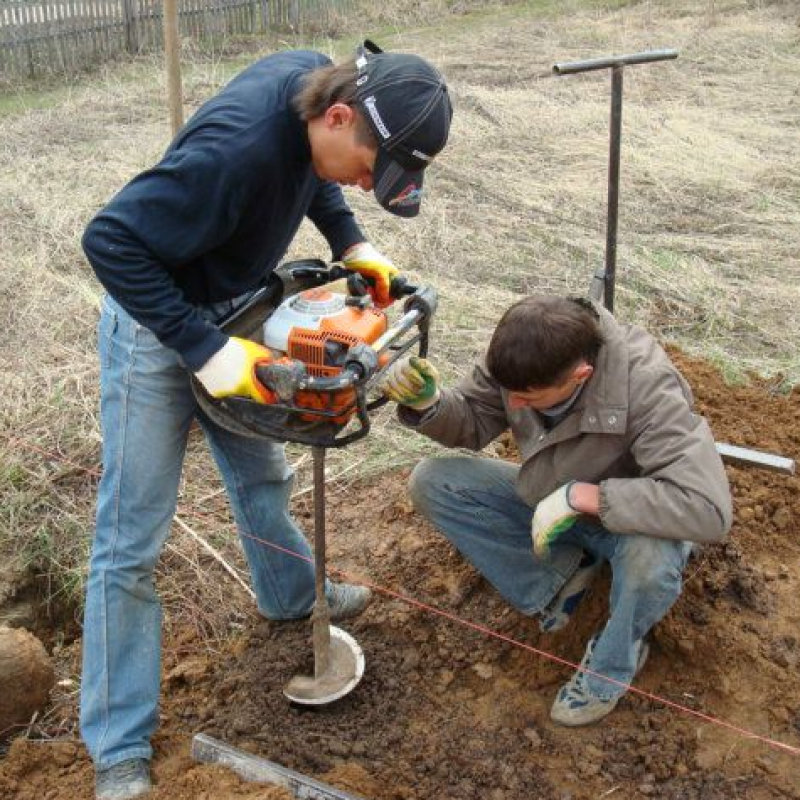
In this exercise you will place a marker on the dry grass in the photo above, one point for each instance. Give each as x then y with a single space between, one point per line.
709 230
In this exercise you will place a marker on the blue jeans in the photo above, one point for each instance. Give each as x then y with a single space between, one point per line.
147 407
474 502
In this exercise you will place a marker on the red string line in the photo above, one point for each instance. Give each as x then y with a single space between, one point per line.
774 743
550 656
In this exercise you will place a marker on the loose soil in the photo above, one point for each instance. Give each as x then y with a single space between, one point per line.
447 712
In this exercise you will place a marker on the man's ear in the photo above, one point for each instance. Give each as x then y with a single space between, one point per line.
583 372
339 115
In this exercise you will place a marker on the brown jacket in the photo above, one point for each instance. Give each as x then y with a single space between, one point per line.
632 430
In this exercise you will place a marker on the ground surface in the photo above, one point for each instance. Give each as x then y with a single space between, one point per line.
447 712
708 258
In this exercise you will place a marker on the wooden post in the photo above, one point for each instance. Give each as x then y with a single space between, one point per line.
172 53
129 25
28 33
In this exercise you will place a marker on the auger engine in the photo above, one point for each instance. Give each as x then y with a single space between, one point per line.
319 328
329 349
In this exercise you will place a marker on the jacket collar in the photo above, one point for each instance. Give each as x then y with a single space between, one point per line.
603 405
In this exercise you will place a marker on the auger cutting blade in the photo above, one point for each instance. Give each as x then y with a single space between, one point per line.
345 668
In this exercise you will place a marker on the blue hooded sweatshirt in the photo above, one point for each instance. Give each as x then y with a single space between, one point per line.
213 219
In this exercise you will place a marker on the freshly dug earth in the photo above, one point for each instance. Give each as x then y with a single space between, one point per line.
26 677
448 712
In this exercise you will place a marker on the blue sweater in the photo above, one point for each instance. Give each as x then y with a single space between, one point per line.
215 216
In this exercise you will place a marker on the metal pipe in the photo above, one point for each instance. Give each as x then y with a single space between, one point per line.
613 186
404 324
321 617
571 67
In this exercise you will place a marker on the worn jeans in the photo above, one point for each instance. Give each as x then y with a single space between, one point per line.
474 502
147 407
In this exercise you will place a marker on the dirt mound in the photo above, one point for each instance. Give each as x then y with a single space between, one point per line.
26 677
446 711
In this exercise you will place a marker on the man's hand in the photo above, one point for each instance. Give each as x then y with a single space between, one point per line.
412 382
232 371
553 516
375 268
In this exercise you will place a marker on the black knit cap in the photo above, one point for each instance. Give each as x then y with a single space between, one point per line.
405 101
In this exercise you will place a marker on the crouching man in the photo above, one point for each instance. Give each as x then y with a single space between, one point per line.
615 466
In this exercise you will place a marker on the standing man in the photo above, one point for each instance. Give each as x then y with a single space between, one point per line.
179 247
615 466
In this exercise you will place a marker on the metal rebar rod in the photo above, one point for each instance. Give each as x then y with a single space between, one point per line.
571 67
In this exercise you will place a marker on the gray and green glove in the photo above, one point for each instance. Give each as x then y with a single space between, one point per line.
412 381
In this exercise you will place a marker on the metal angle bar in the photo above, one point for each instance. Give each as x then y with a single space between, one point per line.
571 67
208 750
755 458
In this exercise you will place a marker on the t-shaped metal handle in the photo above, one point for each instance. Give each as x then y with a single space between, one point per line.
603 281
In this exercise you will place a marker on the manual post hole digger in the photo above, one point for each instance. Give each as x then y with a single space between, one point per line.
328 350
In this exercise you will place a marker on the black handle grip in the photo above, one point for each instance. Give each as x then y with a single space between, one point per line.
358 285
400 287
281 377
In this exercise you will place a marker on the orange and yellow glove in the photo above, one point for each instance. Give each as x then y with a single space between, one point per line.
375 268
232 371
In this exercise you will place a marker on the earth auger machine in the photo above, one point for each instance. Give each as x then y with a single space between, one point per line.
330 349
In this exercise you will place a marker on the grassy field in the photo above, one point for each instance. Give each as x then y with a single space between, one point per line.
709 230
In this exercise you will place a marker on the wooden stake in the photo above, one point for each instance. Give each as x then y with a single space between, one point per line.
172 49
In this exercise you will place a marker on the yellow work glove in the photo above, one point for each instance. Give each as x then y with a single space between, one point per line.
375 268
412 382
553 516
232 371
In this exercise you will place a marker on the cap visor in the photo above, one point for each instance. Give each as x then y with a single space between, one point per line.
398 190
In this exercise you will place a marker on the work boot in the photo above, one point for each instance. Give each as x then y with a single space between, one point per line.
346 601
127 779
575 705
559 610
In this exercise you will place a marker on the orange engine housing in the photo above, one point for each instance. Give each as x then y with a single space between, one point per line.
324 349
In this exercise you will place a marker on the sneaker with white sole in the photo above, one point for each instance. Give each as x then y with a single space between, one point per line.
575 705
125 780
558 611
346 600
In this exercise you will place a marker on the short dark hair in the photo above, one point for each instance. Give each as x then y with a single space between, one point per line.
540 339
326 86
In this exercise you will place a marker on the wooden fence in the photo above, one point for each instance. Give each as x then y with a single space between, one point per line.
38 37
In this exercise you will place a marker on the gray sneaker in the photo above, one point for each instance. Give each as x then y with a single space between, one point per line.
127 779
575 705
346 600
